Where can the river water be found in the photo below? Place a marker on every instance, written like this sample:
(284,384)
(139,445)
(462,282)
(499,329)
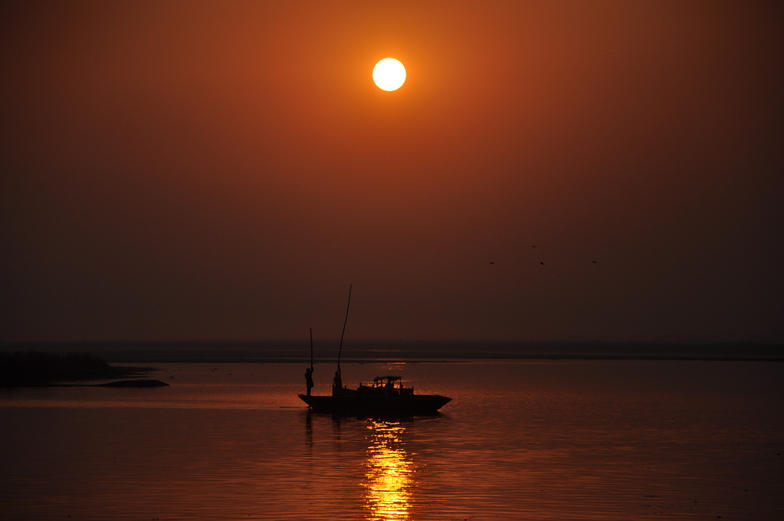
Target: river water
(560,440)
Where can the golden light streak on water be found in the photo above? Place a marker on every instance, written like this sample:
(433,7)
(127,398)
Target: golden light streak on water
(390,473)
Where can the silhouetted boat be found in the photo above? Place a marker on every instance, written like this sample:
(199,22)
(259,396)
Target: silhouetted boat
(385,396)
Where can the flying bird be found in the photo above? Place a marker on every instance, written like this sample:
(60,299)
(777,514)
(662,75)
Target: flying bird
(491,262)
(542,263)
(594,262)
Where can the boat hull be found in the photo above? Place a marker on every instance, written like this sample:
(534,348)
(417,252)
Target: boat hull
(413,405)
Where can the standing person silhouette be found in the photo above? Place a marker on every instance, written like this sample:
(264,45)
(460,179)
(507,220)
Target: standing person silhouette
(309,379)
(337,383)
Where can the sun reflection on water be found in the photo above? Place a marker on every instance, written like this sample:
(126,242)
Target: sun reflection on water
(389,475)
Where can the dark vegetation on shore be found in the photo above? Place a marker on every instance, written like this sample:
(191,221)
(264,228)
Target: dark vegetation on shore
(33,368)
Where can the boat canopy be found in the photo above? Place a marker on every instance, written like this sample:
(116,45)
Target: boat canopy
(390,378)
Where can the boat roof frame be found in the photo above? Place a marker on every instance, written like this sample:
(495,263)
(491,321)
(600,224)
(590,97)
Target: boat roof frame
(389,377)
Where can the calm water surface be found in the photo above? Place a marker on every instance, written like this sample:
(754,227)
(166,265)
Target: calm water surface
(521,440)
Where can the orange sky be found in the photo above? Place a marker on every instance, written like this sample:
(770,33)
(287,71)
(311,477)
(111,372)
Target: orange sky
(224,170)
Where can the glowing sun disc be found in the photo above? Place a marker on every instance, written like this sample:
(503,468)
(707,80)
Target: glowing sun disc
(389,74)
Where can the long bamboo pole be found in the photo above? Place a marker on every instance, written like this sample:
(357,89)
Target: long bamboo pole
(311,349)
(340,349)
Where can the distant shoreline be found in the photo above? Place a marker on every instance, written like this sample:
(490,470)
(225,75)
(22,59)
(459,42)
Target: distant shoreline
(139,383)
(432,360)
(325,351)
(52,369)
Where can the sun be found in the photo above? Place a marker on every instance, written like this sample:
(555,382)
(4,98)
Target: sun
(389,74)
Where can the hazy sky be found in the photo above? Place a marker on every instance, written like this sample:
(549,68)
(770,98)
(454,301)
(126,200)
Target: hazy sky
(223,170)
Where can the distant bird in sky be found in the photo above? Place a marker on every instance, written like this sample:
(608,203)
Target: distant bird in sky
(491,262)
(542,263)
(594,262)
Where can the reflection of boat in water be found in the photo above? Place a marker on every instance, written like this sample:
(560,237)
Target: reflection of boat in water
(385,396)
(374,461)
